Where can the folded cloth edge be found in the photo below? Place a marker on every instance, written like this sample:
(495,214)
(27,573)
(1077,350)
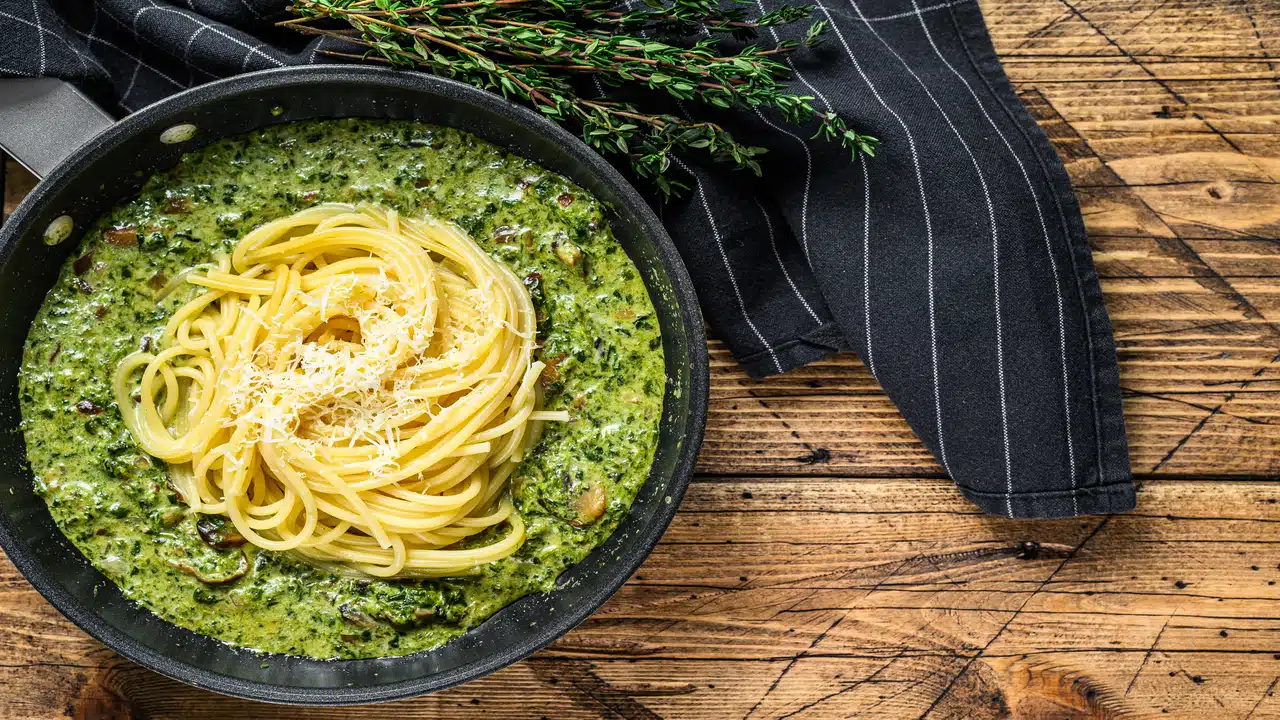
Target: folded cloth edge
(1049,504)
(815,344)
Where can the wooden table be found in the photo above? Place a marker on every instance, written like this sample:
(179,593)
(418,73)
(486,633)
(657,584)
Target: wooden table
(822,566)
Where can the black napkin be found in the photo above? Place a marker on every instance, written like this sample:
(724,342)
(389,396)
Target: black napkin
(954,262)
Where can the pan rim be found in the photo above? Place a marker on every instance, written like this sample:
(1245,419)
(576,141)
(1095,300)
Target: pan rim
(641,542)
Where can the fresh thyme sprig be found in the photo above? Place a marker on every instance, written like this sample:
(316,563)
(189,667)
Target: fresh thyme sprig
(529,49)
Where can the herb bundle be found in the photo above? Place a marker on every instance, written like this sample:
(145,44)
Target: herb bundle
(531,49)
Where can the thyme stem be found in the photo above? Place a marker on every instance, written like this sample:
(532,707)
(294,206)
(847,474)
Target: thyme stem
(530,49)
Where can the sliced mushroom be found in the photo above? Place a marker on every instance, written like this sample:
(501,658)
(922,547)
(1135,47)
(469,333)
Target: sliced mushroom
(590,505)
(357,617)
(568,253)
(83,264)
(217,533)
(177,205)
(88,407)
(551,372)
(239,572)
(122,236)
(509,234)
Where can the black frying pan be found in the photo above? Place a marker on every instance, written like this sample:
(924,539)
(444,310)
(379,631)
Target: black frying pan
(112,165)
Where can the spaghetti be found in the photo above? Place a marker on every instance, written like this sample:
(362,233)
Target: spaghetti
(351,386)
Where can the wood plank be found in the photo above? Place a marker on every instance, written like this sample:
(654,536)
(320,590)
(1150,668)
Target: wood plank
(834,596)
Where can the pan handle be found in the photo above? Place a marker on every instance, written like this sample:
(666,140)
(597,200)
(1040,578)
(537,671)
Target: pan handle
(42,120)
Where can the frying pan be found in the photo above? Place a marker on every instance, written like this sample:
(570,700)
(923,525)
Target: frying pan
(110,167)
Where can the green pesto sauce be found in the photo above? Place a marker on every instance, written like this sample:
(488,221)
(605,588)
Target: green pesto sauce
(114,502)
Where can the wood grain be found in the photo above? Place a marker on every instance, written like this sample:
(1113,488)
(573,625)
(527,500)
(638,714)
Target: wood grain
(875,596)
(820,565)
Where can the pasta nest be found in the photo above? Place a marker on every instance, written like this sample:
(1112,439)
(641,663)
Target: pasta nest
(351,386)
